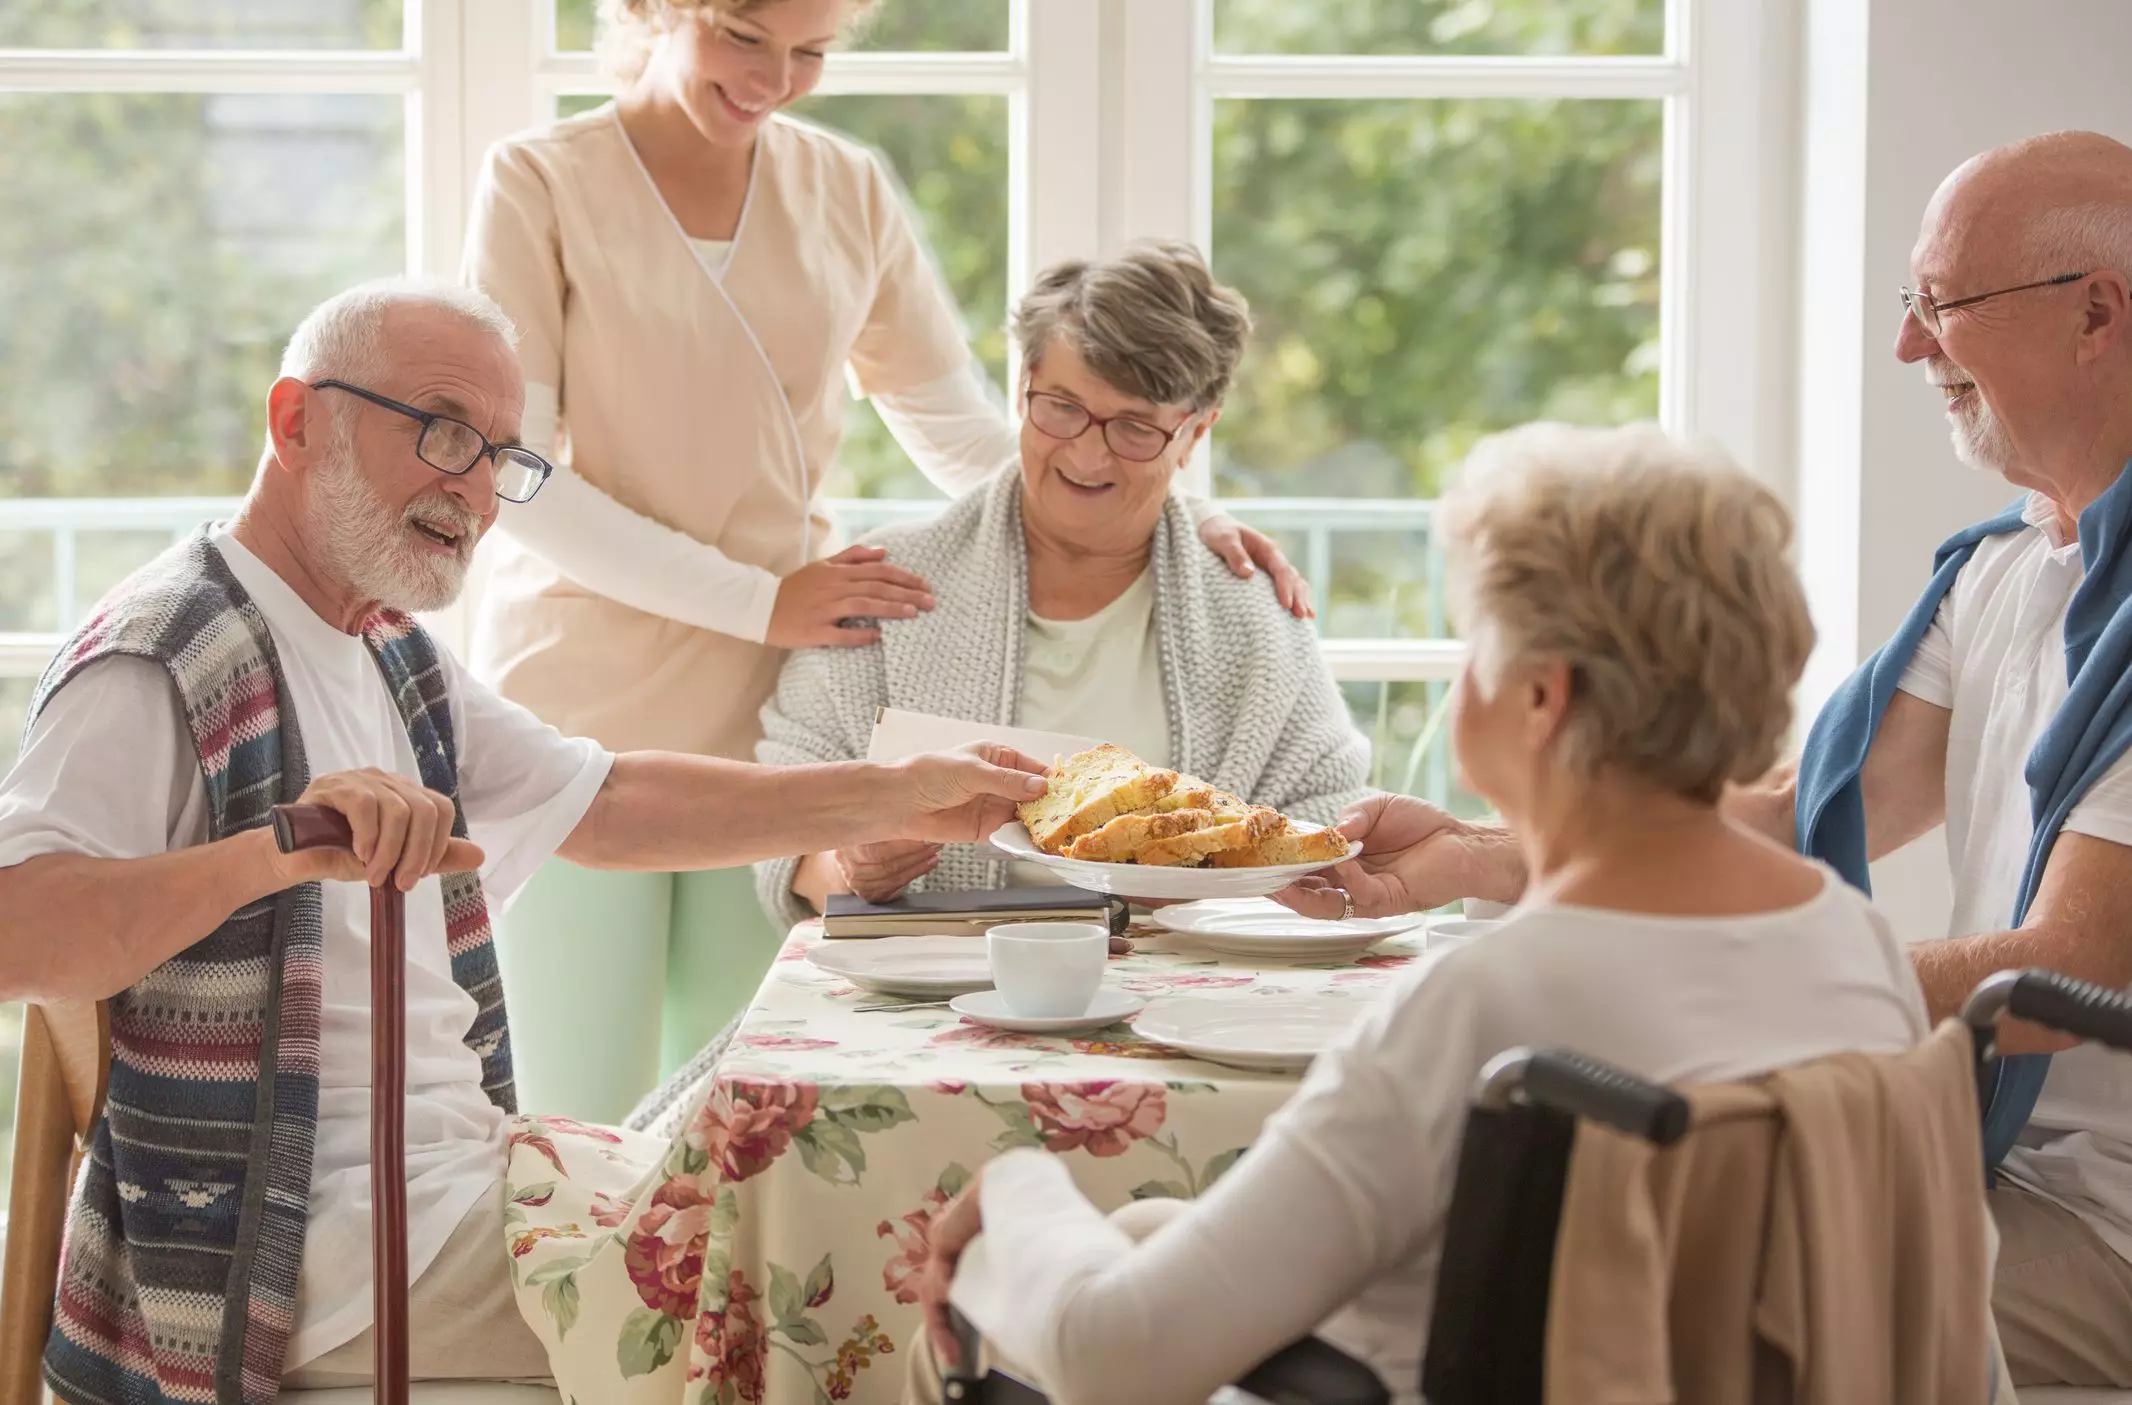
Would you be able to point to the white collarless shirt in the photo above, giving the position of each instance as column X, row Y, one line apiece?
column 109, row 771
column 1995, row 656
column 1097, row 677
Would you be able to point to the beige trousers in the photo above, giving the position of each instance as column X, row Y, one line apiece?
column 922, row 1385
column 2062, row 1298
column 462, row 1317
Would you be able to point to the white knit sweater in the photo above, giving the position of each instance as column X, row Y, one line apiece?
column 1252, row 707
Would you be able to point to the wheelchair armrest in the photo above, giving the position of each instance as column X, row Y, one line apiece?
column 2060, row 1002
column 1570, row 1082
column 1308, row 1372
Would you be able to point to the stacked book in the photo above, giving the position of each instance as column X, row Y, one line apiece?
column 969, row 914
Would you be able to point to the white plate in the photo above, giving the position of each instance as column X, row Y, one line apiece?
column 990, row 1007
column 1262, row 927
column 934, row 966
column 1128, row 880
column 1274, row 1034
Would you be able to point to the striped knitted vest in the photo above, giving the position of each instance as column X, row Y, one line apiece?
column 186, row 1232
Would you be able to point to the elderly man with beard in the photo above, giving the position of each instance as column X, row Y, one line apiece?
column 2001, row 708
column 219, row 1230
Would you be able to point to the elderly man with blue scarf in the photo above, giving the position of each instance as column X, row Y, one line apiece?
column 2001, row 708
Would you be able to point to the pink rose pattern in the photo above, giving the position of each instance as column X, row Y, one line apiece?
column 793, row 1042
column 747, row 1123
column 731, row 1345
column 664, row 1256
column 913, row 1235
column 1103, row 1117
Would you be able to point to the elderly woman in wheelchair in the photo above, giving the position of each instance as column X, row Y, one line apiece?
column 1635, row 634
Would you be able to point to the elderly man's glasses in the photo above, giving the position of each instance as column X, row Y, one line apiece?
column 1927, row 311
column 454, row 446
column 1135, row 441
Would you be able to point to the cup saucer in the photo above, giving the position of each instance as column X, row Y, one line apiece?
column 988, row 1007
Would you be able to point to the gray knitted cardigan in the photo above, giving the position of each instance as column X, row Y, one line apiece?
column 1252, row 706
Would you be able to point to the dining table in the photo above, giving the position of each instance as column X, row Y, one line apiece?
column 766, row 1245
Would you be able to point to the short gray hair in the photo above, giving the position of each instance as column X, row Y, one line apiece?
column 2082, row 238
column 343, row 338
column 1152, row 323
column 1657, row 572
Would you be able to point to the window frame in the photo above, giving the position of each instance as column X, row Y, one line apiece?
column 472, row 72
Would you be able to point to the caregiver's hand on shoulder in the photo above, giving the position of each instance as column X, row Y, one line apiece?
column 957, row 796
column 950, row 1232
column 1246, row 550
column 857, row 583
column 880, row 872
column 402, row 833
column 1414, row 857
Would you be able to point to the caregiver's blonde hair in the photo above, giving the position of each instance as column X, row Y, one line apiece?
column 629, row 29
column 1657, row 572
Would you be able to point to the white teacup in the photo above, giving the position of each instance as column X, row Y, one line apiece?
column 1048, row 970
column 1450, row 931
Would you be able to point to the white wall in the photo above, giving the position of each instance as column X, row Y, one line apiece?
column 1898, row 93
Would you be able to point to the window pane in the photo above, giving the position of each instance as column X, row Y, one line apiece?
column 1425, row 272
column 177, row 240
column 934, row 26
column 1410, row 742
column 901, row 26
column 1386, row 27
column 951, row 154
column 190, row 24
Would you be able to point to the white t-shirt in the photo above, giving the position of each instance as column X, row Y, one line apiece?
column 1097, row 677
column 1334, row 1221
column 109, row 771
column 1995, row 655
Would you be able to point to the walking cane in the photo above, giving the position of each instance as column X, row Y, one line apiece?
column 316, row 827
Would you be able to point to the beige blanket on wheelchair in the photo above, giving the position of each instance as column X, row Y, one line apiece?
column 1818, row 1237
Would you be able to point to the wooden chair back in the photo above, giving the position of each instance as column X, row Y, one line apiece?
column 59, row 1092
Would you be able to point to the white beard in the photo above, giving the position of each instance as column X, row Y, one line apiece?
column 373, row 549
column 1980, row 440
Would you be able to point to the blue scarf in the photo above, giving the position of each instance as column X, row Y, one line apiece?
column 2089, row 732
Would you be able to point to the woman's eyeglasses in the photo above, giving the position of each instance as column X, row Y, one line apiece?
column 1135, row 441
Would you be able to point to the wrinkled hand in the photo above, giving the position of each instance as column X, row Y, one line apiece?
column 1245, row 549
column 402, row 833
column 1414, row 857
column 880, row 872
column 951, row 1231
column 960, row 796
column 856, row 583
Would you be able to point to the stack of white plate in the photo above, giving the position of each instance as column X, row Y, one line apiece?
column 1259, row 927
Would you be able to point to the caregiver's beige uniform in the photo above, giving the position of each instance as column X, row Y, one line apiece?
column 713, row 406
column 696, row 403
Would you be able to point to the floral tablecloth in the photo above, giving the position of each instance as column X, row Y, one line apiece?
column 769, row 1252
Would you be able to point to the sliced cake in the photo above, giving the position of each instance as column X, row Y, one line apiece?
column 1089, row 790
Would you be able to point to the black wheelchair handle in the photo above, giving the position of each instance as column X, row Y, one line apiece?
column 1570, row 1082
column 2056, row 1001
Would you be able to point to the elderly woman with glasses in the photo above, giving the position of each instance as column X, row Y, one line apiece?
column 1073, row 595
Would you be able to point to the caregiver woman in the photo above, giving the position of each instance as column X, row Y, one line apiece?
column 691, row 276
